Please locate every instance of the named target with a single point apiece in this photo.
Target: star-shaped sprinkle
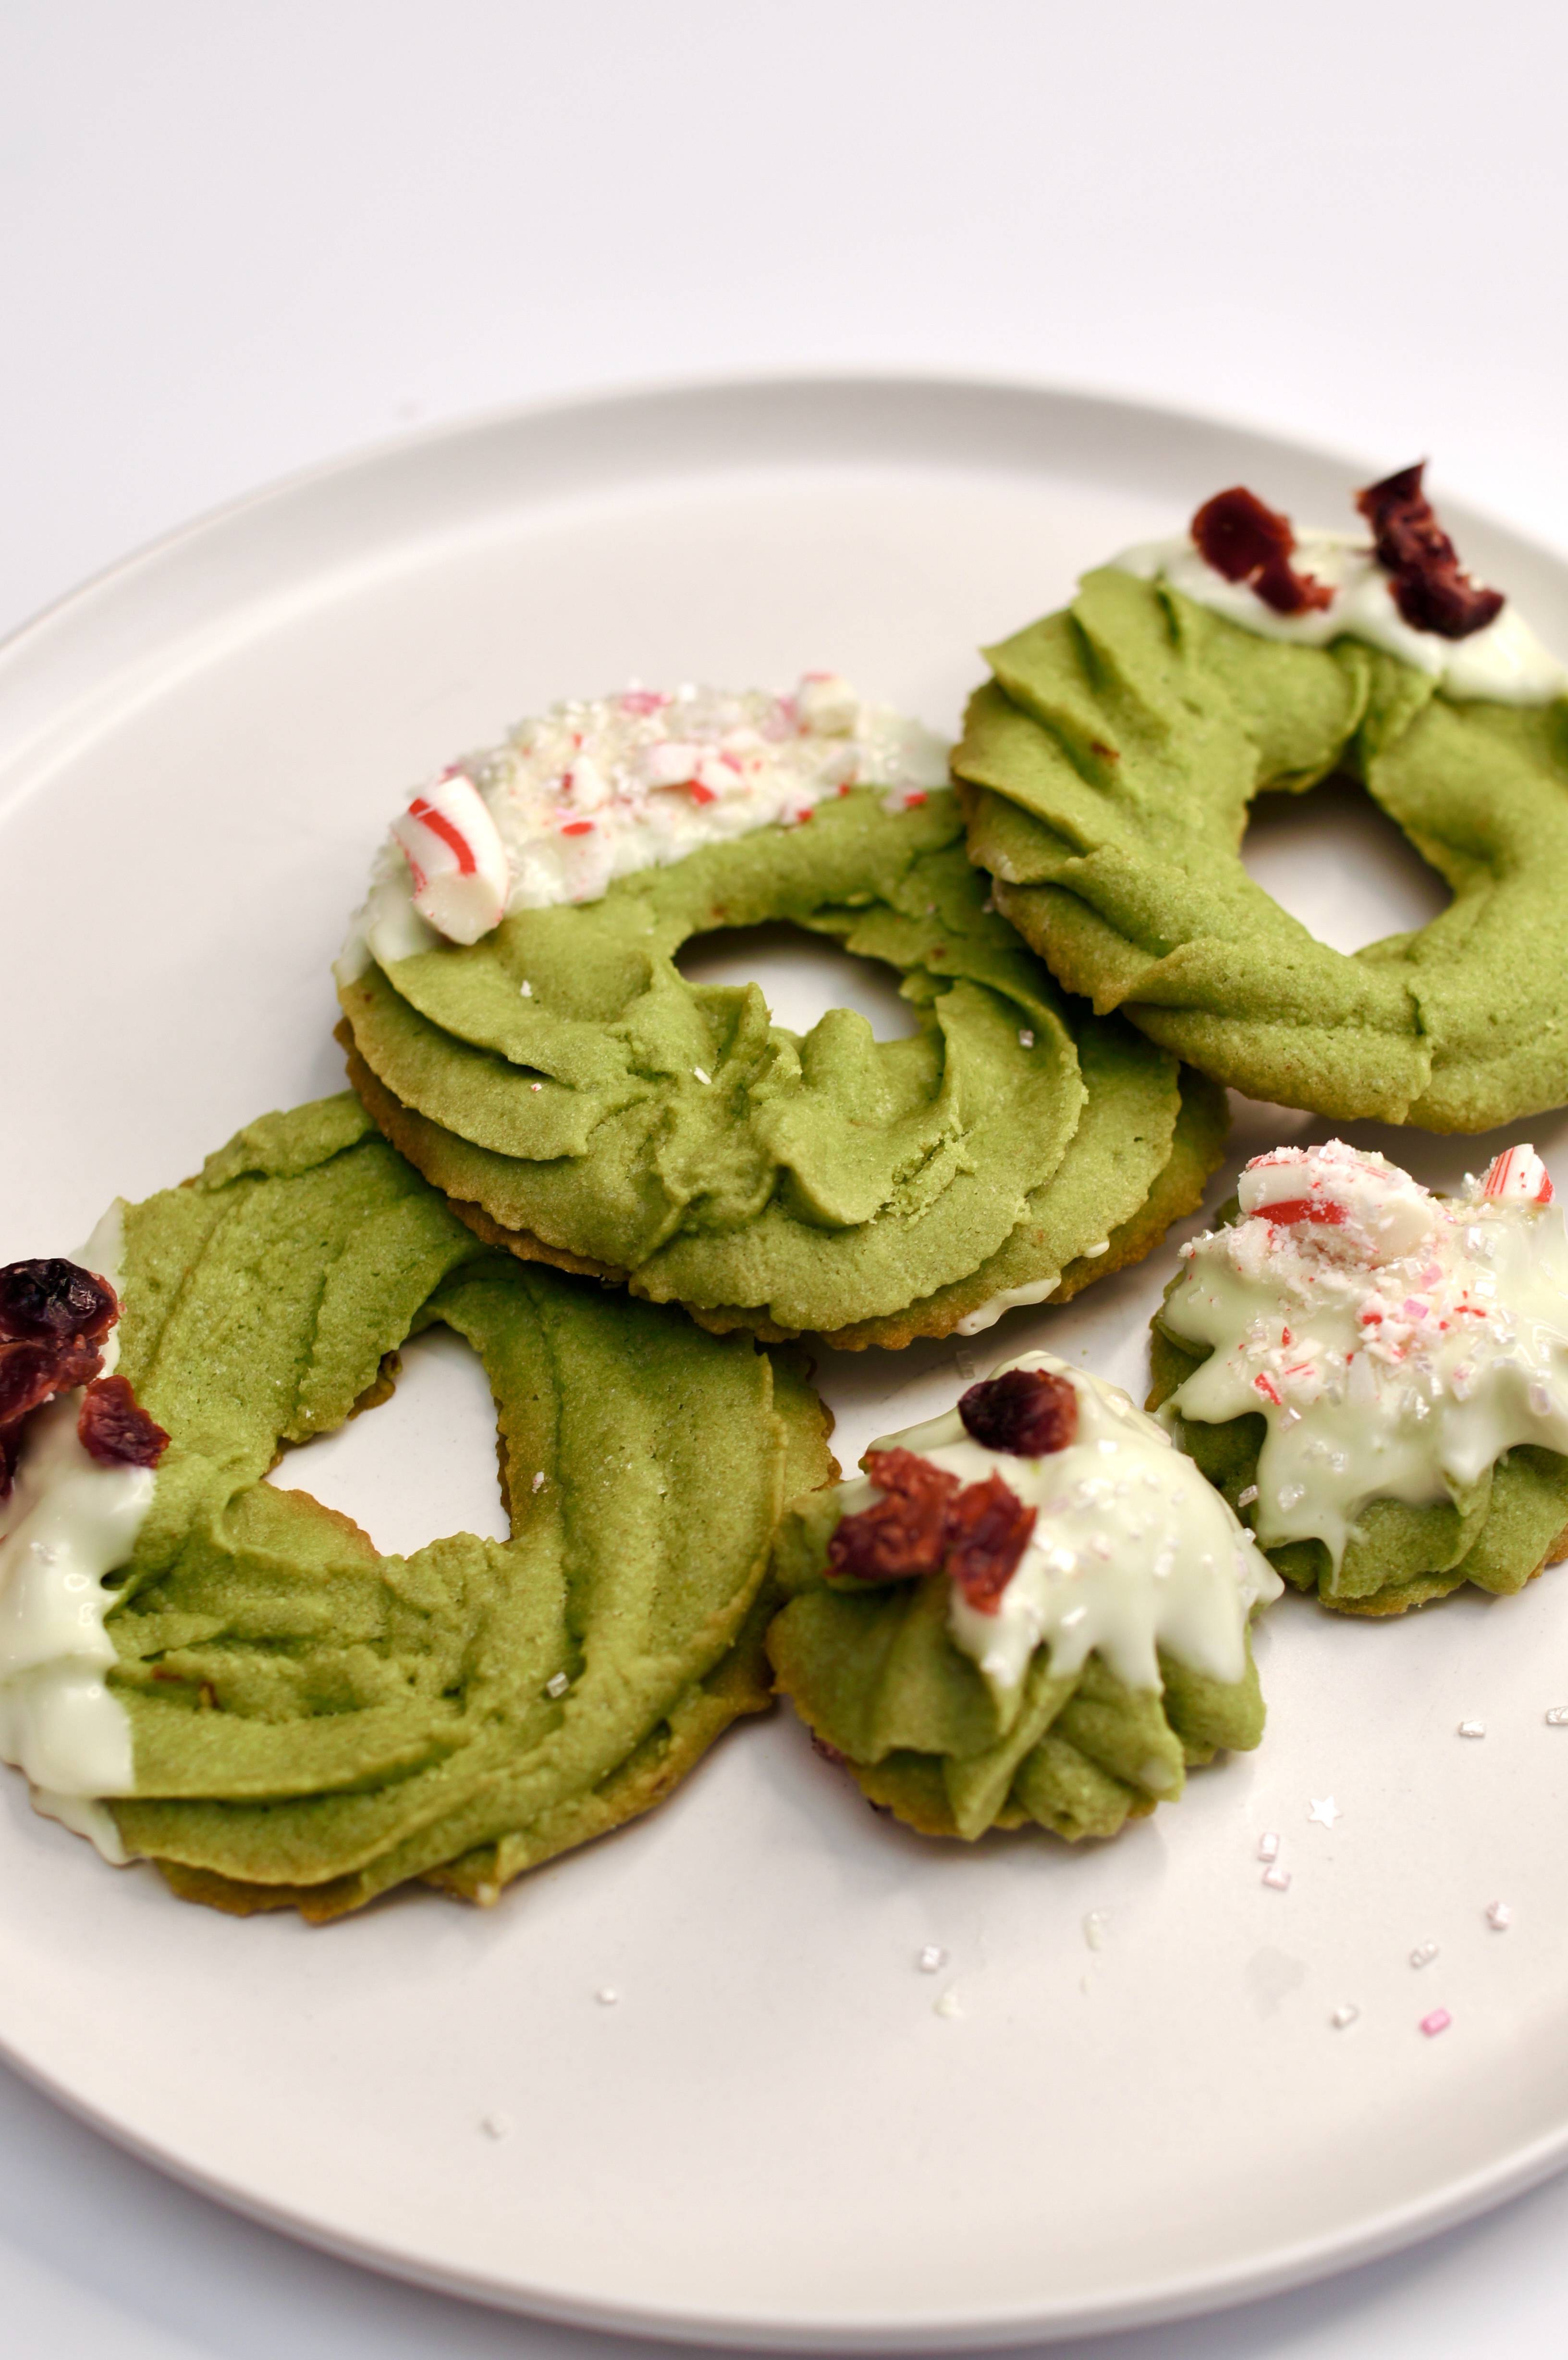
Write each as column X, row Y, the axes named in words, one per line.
column 1325, row 1811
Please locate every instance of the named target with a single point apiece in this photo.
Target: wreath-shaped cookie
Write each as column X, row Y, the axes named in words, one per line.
column 1028, row 1611
column 1376, row 1380
column 1112, row 761
column 262, row 1703
column 578, row 1100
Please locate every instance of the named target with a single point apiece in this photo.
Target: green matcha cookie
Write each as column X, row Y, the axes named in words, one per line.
column 1374, row 1378
column 1025, row 1613
column 312, row 1722
column 1109, row 768
column 579, row 1102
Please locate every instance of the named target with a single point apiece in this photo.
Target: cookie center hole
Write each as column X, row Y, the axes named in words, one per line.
column 418, row 1466
column 801, row 976
column 1337, row 863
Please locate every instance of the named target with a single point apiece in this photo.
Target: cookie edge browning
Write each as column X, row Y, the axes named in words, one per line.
column 1197, row 1149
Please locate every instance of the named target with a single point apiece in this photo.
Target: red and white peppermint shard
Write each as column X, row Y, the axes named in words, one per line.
column 456, row 858
column 1518, row 1173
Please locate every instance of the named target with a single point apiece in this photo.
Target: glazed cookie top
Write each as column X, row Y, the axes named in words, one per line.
column 1395, row 1343
column 598, row 788
column 1402, row 591
column 1062, row 1516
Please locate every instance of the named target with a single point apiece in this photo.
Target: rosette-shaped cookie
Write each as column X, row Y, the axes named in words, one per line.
column 1111, row 762
column 578, row 1101
column 1376, row 1379
column 217, row 1673
column 1029, row 1610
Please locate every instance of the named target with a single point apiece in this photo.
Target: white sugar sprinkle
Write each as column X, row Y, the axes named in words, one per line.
column 948, row 2005
column 1323, row 1811
column 1277, row 1877
column 1471, row 1729
column 1499, row 1917
column 526, row 990
column 1343, row 2017
column 1094, row 1928
column 558, row 1684
column 1557, row 1716
column 495, row 2127
column 931, row 1960
column 1423, row 1954
column 1026, row 1040
column 1268, row 1847
column 607, row 1995
column 1245, row 1499
column 702, row 1077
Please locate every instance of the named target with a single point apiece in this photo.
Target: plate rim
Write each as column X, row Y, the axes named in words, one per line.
column 618, row 409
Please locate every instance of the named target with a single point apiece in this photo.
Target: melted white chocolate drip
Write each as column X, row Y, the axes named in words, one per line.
column 1504, row 663
column 1396, row 1345
column 1131, row 1550
column 595, row 790
column 69, row 1521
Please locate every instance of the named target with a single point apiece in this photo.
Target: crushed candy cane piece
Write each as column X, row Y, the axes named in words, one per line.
column 456, row 860
column 827, row 705
column 1518, row 1173
column 558, row 1684
column 1423, row 1954
column 1557, row 1716
column 1268, row 1847
column 931, row 1958
column 1343, row 2018
column 1471, row 1729
column 1278, row 1878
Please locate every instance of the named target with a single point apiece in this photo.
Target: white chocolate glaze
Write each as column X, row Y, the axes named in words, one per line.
column 1396, row 1344
column 69, row 1521
column 594, row 791
column 1504, row 663
column 1131, row 1550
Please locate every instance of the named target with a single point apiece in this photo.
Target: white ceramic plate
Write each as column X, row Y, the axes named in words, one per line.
column 773, row 2136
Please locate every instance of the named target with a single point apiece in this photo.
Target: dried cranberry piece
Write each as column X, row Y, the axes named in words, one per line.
column 903, row 1534
column 1248, row 543
column 1430, row 589
column 988, row 1530
column 115, row 1427
column 51, row 1300
column 1026, row 1411
column 30, row 1372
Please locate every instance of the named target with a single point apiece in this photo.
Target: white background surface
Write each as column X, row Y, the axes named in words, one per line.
column 234, row 239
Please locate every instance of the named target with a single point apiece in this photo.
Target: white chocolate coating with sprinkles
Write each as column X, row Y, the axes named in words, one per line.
column 1504, row 663
column 1131, row 1550
column 595, row 790
column 1396, row 1344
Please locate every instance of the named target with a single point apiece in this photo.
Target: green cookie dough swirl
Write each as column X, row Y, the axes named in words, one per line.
column 1110, row 766
column 1118, row 1658
column 616, row 1118
column 313, row 1723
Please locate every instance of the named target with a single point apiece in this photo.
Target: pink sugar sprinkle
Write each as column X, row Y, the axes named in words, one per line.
column 1414, row 1308
column 1438, row 2021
